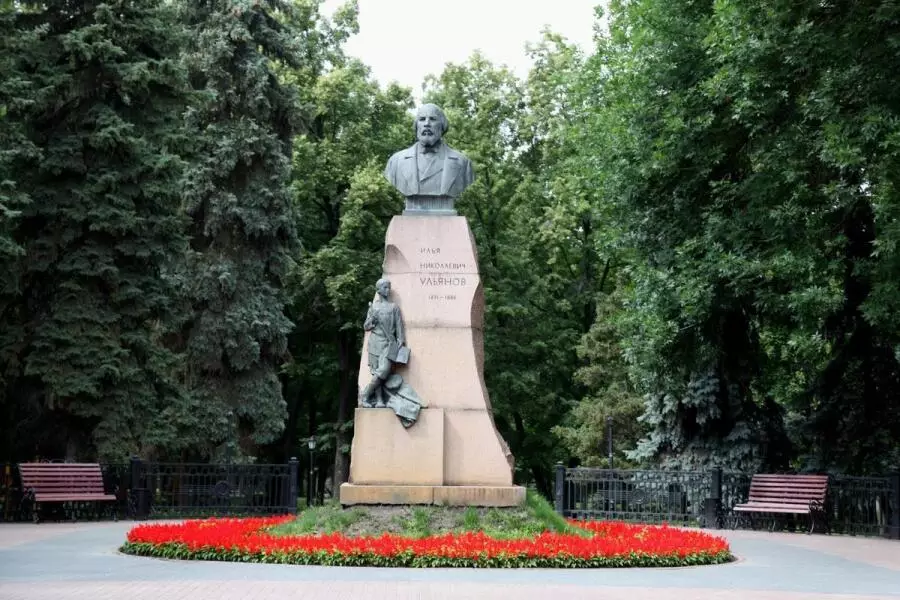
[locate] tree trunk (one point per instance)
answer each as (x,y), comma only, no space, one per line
(347,360)
(291,425)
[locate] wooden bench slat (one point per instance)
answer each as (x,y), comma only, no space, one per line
(98,486)
(55,480)
(794,494)
(786,493)
(780,497)
(789,492)
(774,509)
(61,474)
(763,507)
(69,490)
(72,497)
(66,477)
(810,484)
(43,484)
(49,468)
(64,482)
(816,481)
(798,476)
(790,477)
(776,501)
(783,484)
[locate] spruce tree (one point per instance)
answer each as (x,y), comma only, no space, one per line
(15,89)
(237,194)
(81,338)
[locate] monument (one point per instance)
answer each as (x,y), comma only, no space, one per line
(423,355)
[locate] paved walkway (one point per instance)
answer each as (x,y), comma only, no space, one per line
(61,561)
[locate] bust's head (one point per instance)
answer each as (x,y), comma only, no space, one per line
(431,125)
(383,287)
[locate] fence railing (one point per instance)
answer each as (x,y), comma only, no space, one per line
(645,496)
(163,490)
(864,505)
(855,505)
(153,490)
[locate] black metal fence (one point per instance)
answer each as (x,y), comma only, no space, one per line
(645,496)
(867,506)
(154,490)
(864,505)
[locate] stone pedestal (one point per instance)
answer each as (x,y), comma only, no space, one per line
(433,267)
(383,455)
(442,495)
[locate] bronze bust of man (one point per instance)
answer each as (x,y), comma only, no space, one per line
(430,173)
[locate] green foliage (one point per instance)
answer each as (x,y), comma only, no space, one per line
(342,205)
(471,520)
(422,521)
(92,110)
(537,281)
(743,152)
(542,512)
(243,231)
(605,374)
(182,552)
(692,231)
(15,95)
(419,526)
(325,519)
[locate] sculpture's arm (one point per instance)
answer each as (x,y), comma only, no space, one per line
(470,173)
(371,319)
(401,332)
(390,169)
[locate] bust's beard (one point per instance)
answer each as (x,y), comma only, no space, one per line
(429,141)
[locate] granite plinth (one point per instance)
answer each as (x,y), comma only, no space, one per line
(383,452)
(432,264)
(352,494)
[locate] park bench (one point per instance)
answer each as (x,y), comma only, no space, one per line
(787,495)
(60,483)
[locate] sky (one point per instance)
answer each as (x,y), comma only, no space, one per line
(405,40)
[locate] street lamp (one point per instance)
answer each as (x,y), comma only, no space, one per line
(311,444)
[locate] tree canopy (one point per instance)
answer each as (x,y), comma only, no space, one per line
(688,231)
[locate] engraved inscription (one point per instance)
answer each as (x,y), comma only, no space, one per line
(433,273)
(441,280)
(442,266)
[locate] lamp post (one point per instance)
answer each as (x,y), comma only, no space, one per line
(311,444)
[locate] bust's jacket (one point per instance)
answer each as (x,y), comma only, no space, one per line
(455,170)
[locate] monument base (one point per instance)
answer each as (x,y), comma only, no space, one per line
(429,206)
(441,495)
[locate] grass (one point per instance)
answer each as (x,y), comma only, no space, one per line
(534,517)
(323,519)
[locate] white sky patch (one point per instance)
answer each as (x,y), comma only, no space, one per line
(405,40)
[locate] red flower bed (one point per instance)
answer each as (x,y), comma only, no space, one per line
(613,544)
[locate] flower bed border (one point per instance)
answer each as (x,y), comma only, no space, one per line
(548,550)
